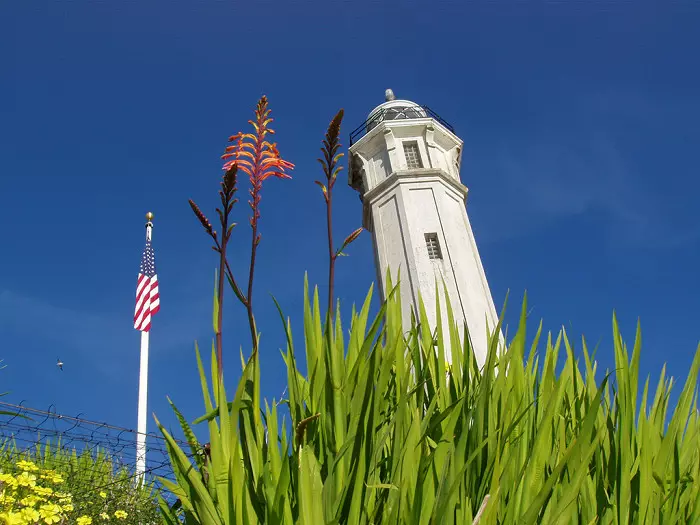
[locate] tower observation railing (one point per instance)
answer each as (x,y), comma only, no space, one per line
(396,113)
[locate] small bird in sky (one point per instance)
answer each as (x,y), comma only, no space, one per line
(59,364)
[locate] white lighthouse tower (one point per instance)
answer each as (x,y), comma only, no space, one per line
(405,163)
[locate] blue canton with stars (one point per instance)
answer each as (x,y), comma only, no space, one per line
(148,261)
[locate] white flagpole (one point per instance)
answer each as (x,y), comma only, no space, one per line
(143,387)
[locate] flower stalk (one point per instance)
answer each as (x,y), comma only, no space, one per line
(331,167)
(226,195)
(260,159)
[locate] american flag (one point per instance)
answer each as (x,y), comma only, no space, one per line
(147,298)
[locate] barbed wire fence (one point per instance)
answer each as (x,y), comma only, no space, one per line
(23,430)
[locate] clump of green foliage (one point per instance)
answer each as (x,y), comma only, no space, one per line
(384,431)
(89,484)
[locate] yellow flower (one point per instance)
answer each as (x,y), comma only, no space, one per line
(67,508)
(103,495)
(52,476)
(84,520)
(56,478)
(51,513)
(43,491)
(27,466)
(104,516)
(120,514)
(26,480)
(30,515)
(9,480)
(12,518)
(30,501)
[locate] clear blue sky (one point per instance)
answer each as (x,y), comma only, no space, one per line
(580,123)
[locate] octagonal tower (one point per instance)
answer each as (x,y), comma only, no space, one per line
(405,163)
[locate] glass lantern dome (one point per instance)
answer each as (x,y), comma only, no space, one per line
(393,109)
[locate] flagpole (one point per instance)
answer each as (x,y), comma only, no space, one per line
(143,386)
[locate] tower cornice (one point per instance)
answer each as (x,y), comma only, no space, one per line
(409,177)
(423,175)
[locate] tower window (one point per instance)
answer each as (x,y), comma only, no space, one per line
(410,150)
(431,241)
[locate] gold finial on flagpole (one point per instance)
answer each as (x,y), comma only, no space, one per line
(149,216)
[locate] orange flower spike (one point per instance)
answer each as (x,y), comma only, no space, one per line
(257,157)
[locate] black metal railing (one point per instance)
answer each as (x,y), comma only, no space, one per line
(396,113)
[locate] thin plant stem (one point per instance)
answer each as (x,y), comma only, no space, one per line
(331,254)
(249,302)
(220,299)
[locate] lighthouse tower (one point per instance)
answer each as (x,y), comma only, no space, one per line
(405,163)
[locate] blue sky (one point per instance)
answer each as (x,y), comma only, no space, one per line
(580,129)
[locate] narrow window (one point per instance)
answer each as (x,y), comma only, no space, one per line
(410,150)
(431,241)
